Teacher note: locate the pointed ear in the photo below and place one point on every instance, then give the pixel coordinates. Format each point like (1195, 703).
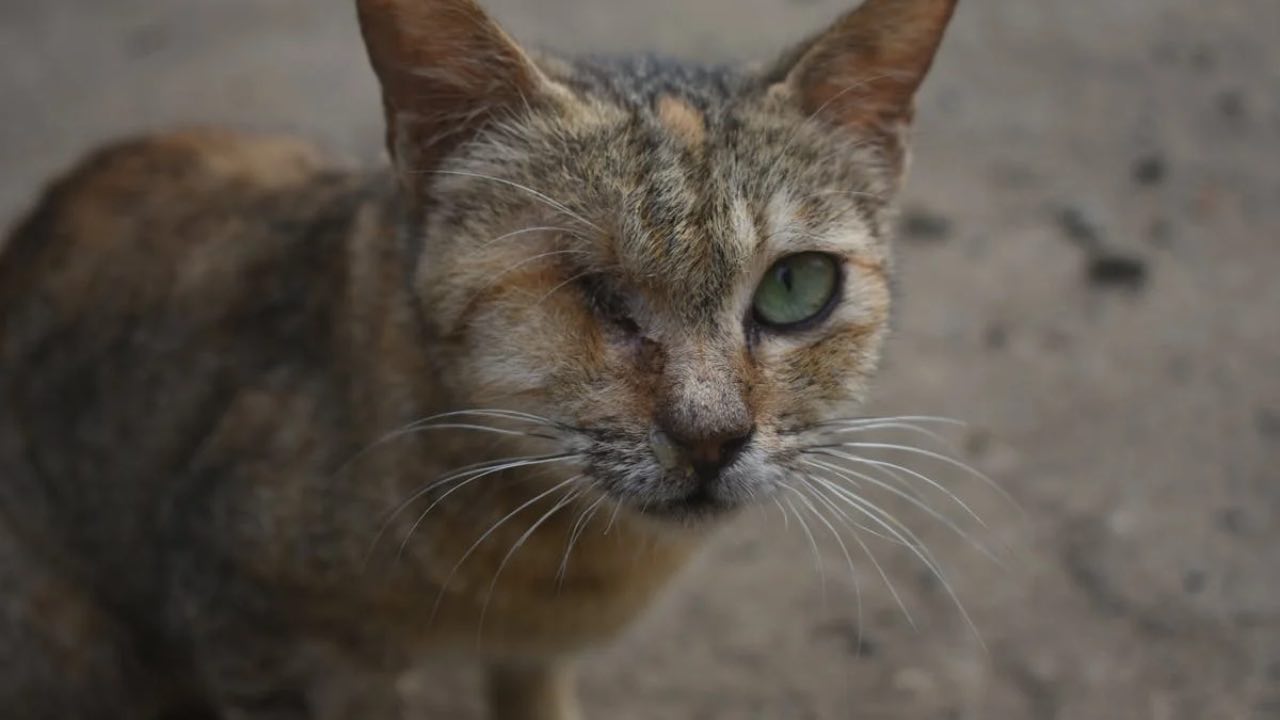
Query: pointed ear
(446, 70)
(864, 70)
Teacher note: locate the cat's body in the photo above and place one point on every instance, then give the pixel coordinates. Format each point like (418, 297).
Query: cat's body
(213, 350)
(245, 323)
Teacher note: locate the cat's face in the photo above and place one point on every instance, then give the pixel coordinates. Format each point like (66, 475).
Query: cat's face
(687, 269)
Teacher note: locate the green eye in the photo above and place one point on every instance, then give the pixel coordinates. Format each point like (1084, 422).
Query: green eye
(797, 288)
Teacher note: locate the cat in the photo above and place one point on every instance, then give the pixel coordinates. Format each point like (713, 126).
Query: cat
(266, 422)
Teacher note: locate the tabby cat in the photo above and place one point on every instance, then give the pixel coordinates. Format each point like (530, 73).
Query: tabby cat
(266, 423)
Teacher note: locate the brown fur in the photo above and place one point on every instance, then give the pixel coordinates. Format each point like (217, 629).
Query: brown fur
(206, 339)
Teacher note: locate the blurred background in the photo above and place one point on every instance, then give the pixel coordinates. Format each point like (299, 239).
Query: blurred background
(1088, 272)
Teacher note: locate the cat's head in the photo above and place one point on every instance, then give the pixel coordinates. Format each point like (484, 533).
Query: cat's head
(685, 267)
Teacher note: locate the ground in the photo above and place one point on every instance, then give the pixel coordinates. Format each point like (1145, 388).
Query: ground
(1088, 272)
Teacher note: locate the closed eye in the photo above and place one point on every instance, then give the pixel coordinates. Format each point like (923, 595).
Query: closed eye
(607, 302)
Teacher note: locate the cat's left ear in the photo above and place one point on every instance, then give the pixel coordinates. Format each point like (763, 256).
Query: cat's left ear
(447, 70)
(863, 72)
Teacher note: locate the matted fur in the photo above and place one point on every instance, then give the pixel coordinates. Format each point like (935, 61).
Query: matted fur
(214, 350)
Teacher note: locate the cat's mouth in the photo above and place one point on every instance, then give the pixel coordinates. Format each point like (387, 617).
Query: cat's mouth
(700, 504)
(670, 487)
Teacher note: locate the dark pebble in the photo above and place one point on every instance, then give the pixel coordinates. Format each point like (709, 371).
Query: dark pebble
(864, 647)
(921, 224)
(1150, 169)
(977, 443)
(859, 644)
(1079, 227)
(1231, 104)
(1117, 271)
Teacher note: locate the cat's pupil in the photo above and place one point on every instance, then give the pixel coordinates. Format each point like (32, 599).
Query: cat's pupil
(784, 276)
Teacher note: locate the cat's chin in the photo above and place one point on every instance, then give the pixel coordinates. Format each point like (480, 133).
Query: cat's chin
(697, 509)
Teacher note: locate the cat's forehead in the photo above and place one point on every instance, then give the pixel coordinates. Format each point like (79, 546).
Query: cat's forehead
(640, 81)
(705, 182)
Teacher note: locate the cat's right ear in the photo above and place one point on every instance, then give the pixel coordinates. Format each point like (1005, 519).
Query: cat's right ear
(446, 70)
(862, 73)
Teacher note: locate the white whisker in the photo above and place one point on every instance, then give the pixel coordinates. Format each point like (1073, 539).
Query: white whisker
(487, 472)
(492, 528)
(813, 544)
(540, 228)
(924, 507)
(936, 456)
(844, 549)
(921, 551)
(549, 201)
(430, 423)
(579, 526)
(520, 541)
(893, 591)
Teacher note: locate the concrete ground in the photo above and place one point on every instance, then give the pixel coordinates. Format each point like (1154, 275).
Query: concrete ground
(1089, 271)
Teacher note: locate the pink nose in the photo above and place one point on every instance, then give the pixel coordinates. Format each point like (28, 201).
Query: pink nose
(710, 453)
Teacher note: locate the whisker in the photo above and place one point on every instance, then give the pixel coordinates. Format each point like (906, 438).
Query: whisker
(550, 202)
(921, 551)
(919, 504)
(487, 472)
(936, 456)
(893, 591)
(613, 517)
(551, 253)
(844, 549)
(863, 420)
(492, 528)
(786, 519)
(481, 468)
(562, 502)
(889, 467)
(556, 289)
(540, 228)
(430, 422)
(837, 428)
(579, 526)
(813, 544)
(846, 495)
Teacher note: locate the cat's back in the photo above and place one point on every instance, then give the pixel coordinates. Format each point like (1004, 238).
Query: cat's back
(149, 288)
(141, 206)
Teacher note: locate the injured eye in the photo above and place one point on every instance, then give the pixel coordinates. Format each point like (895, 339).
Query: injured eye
(796, 291)
(607, 303)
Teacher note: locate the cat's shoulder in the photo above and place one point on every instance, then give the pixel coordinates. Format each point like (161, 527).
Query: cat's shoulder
(183, 160)
(129, 180)
(145, 202)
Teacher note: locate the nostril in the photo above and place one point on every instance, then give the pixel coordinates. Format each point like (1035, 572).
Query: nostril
(731, 448)
(712, 455)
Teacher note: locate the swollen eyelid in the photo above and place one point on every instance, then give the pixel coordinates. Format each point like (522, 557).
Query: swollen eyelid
(608, 303)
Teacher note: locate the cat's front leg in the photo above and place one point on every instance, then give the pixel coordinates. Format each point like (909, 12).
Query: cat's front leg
(533, 690)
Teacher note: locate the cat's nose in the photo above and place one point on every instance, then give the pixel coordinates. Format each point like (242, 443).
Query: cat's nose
(708, 453)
